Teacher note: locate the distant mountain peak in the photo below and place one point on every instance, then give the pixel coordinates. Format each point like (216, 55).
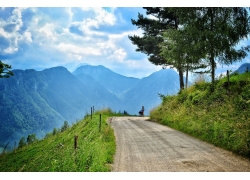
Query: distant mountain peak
(89, 69)
(243, 68)
(80, 65)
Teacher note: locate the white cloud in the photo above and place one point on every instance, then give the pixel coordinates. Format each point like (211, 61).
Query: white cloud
(27, 36)
(65, 30)
(4, 33)
(10, 50)
(48, 30)
(13, 35)
(104, 17)
(76, 50)
(35, 20)
(112, 48)
(16, 18)
(100, 17)
(118, 54)
(69, 12)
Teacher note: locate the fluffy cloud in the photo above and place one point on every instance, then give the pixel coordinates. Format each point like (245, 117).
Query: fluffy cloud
(46, 37)
(77, 50)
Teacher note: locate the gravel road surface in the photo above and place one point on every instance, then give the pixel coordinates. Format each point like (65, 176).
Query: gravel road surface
(145, 146)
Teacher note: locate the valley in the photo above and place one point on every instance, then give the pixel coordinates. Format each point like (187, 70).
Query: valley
(35, 102)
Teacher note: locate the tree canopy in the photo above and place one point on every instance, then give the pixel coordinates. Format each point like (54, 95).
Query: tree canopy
(217, 31)
(152, 36)
(5, 71)
(193, 37)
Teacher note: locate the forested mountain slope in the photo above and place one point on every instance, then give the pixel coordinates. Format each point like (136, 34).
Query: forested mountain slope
(114, 83)
(35, 102)
(146, 91)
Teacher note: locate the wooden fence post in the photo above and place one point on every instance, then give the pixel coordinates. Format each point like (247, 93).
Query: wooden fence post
(100, 122)
(228, 83)
(228, 78)
(91, 112)
(75, 142)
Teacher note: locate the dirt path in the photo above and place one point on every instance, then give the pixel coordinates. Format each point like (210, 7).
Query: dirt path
(144, 146)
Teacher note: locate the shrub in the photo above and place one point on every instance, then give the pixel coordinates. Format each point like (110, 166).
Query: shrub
(22, 142)
(31, 138)
(65, 126)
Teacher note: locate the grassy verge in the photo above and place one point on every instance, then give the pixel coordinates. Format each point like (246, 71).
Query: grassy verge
(221, 117)
(56, 153)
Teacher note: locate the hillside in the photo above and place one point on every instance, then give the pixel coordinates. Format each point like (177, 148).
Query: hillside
(57, 153)
(132, 93)
(243, 68)
(23, 109)
(220, 117)
(34, 102)
(100, 92)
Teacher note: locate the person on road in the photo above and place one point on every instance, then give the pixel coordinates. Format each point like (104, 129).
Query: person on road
(141, 112)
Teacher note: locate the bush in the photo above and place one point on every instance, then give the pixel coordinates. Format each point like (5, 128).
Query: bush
(31, 138)
(22, 142)
(65, 126)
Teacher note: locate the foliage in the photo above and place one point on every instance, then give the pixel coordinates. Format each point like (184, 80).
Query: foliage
(181, 50)
(193, 38)
(56, 153)
(5, 71)
(23, 109)
(220, 117)
(153, 37)
(22, 142)
(216, 32)
(64, 126)
(31, 138)
(55, 131)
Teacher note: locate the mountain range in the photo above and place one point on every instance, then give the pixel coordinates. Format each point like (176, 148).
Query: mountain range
(36, 102)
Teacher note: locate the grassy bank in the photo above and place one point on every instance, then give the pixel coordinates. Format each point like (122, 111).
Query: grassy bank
(57, 153)
(219, 115)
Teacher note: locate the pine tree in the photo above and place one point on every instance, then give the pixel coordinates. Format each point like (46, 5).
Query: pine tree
(217, 31)
(152, 36)
(65, 126)
(22, 142)
(31, 138)
(5, 70)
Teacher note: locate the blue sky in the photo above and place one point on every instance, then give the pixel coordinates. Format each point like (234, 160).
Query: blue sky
(39, 38)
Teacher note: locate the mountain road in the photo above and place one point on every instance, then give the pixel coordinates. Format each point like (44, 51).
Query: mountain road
(146, 146)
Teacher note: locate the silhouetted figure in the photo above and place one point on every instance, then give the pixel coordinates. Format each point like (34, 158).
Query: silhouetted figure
(141, 112)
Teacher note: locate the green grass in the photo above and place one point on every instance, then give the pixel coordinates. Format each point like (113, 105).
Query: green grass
(220, 117)
(56, 153)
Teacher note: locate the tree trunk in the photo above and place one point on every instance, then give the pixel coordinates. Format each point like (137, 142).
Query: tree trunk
(213, 65)
(181, 79)
(212, 62)
(187, 76)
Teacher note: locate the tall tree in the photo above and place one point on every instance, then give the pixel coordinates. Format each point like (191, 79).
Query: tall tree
(22, 142)
(5, 71)
(152, 36)
(65, 126)
(180, 48)
(31, 138)
(218, 31)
